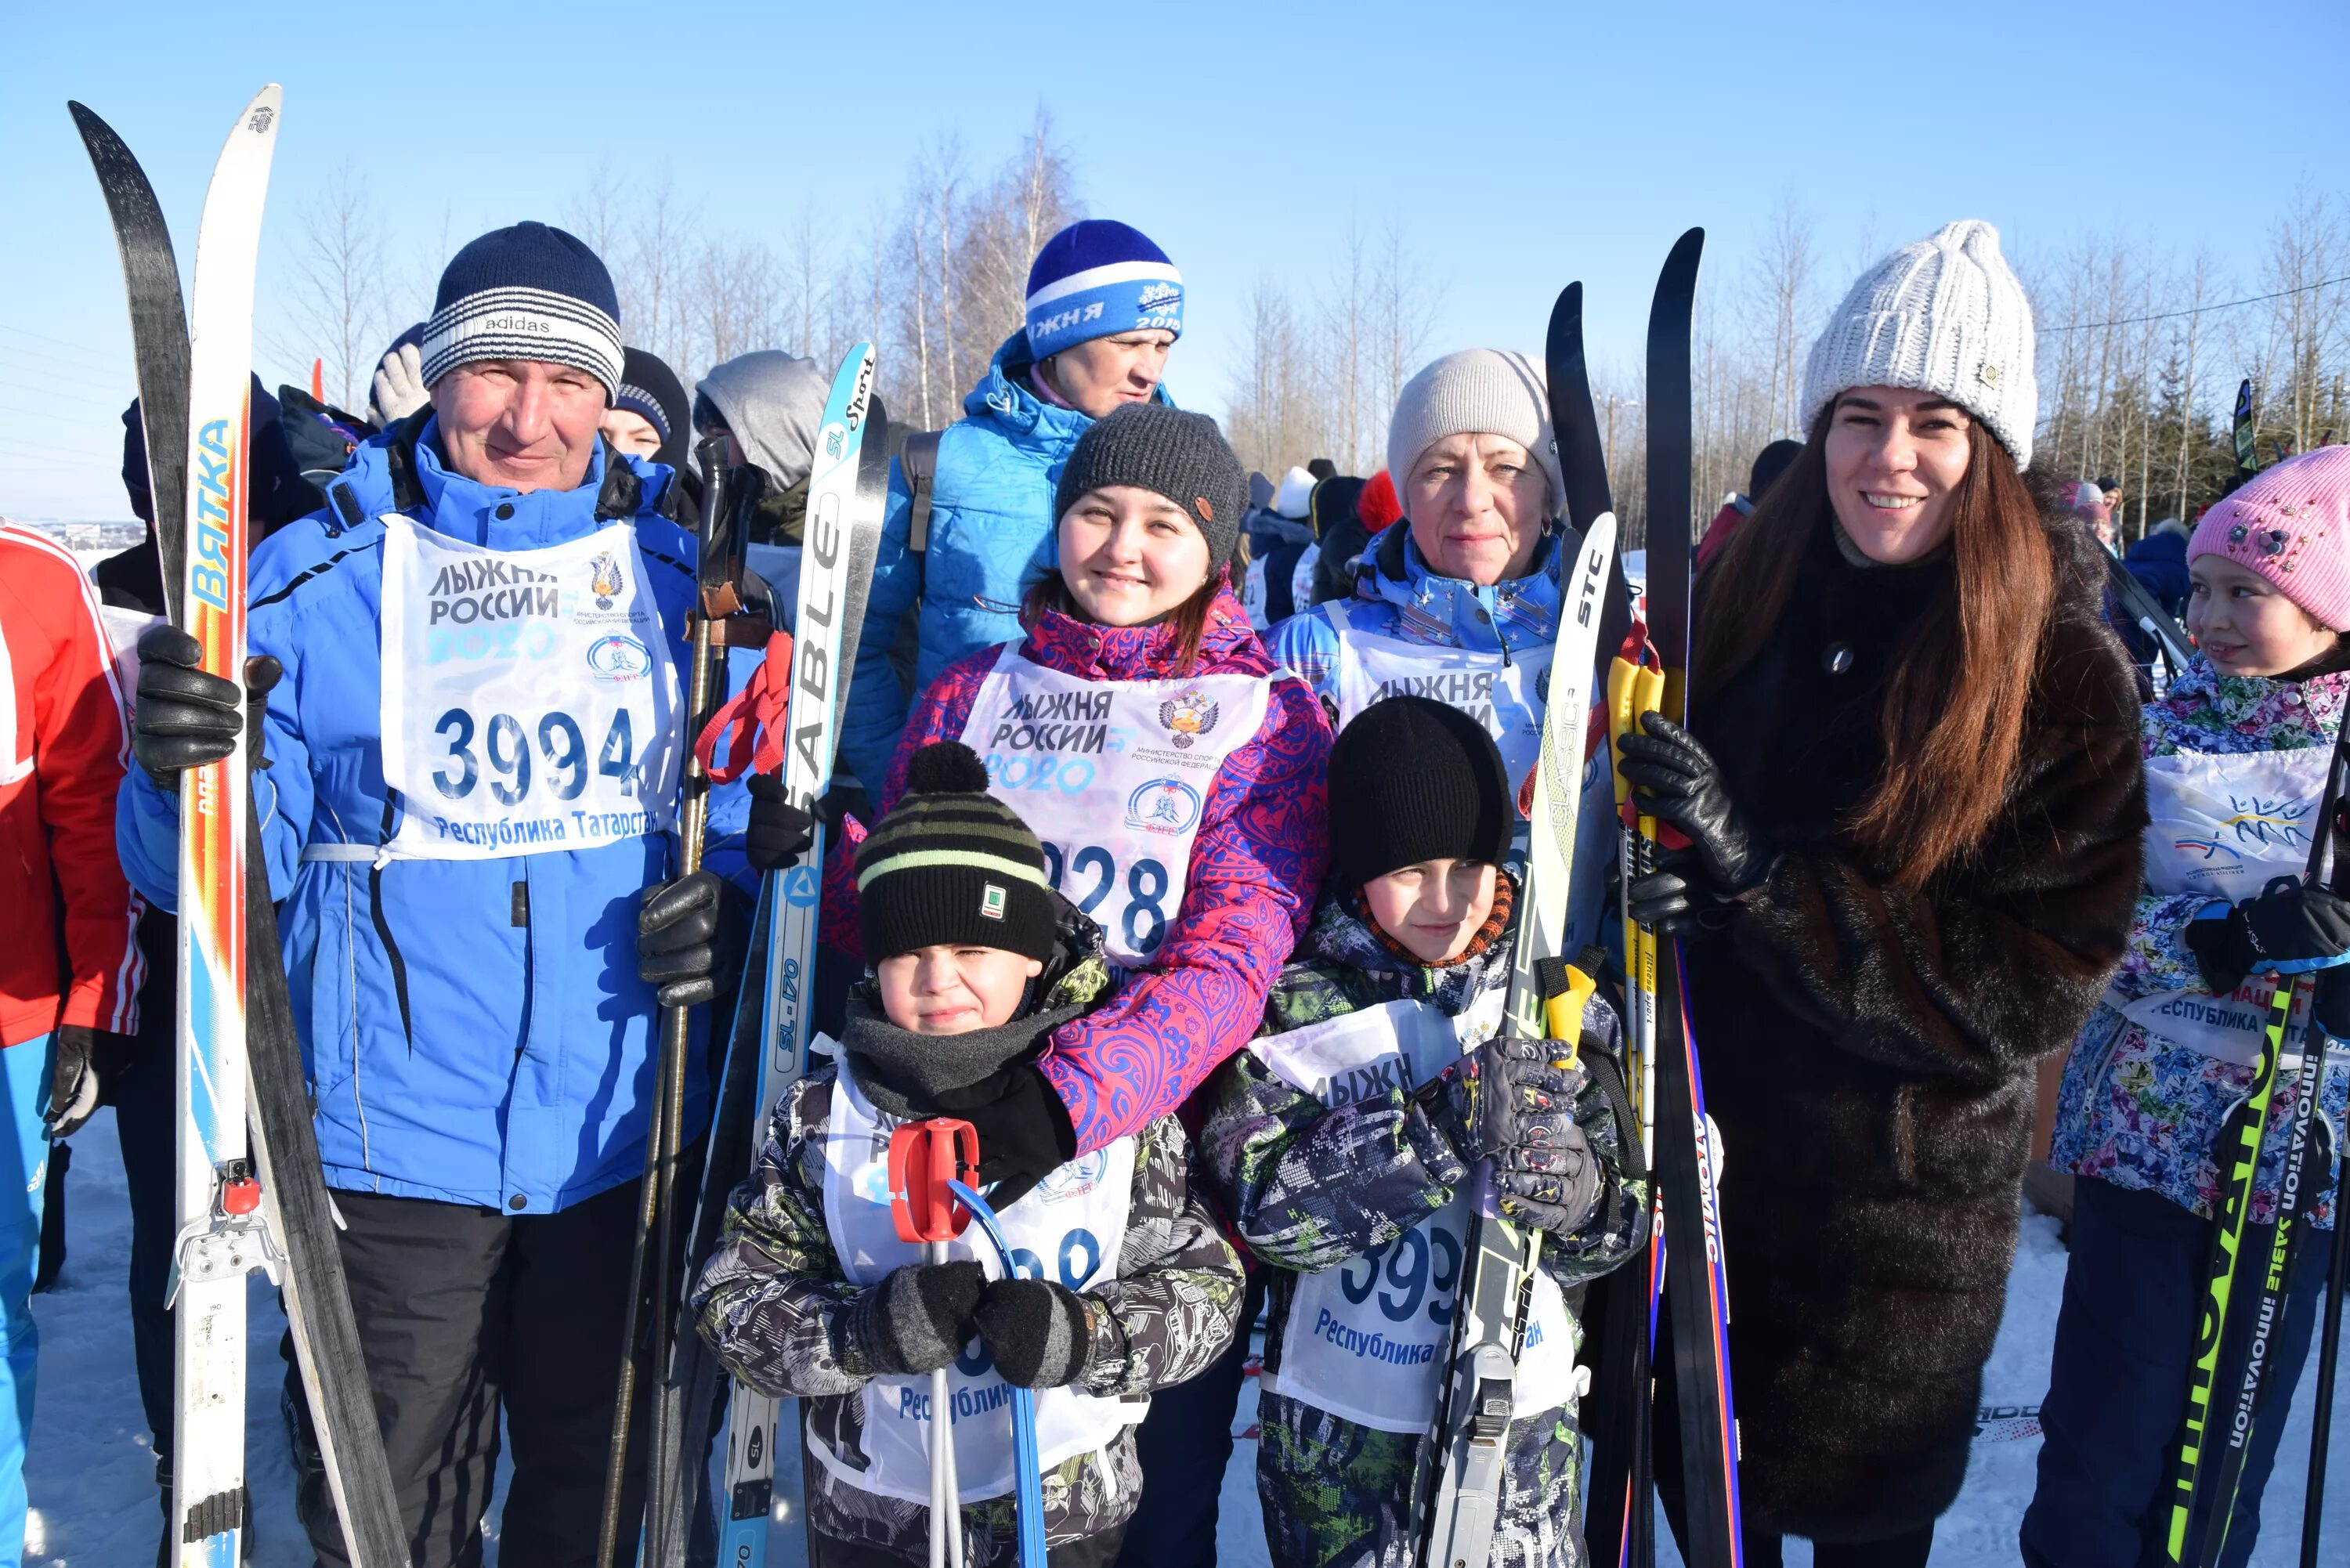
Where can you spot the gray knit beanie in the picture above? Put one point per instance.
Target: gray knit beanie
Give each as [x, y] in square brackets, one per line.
[1487, 392]
[1946, 315]
[1182, 456]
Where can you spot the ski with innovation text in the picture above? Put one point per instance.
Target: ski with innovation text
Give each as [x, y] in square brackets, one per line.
[848, 491]
[1696, 1283]
[2251, 1264]
[250, 1192]
[1460, 1484]
[1618, 1521]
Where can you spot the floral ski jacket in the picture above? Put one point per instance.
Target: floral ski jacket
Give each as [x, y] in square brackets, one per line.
[1255, 867]
[2139, 1110]
[1308, 1189]
[774, 1303]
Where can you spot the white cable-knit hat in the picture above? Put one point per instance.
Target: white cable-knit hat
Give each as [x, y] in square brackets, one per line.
[1946, 315]
[1488, 391]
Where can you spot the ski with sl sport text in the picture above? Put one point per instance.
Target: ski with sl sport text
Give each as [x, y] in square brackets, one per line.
[2252, 1264]
[1459, 1479]
[1696, 1281]
[848, 491]
[240, 1204]
[1619, 1520]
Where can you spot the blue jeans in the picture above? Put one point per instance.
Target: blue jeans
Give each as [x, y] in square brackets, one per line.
[2117, 1385]
[23, 1176]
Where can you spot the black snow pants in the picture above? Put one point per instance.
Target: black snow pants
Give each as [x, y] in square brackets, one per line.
[466, 1313]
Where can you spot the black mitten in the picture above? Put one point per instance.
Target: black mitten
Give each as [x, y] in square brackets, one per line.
[919, 1318]
[1034, 1332]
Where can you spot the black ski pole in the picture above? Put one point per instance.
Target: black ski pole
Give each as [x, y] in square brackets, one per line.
[649, 1294]
[2329, 1351]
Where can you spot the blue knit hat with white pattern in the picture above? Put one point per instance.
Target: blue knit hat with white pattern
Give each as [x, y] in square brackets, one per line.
[1095, 278]
[529, 291]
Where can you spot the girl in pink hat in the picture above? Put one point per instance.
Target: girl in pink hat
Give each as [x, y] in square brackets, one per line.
[2236, 756]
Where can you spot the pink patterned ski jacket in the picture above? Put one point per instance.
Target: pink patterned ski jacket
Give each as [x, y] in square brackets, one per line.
[1256, 865]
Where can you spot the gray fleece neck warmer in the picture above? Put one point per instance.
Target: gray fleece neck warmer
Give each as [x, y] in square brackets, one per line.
[774, 403]
[904, 1073]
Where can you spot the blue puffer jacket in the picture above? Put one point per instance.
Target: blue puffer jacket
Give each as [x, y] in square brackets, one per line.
[474, 1030]
[991, 536]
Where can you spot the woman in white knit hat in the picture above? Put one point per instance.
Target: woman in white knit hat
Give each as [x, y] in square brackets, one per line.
[1460, 601]
[1914, 802]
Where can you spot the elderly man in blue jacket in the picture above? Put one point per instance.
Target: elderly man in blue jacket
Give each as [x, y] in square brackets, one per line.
[474, 659]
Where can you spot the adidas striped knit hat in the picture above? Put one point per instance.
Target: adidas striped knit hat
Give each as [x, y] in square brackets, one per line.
[951, 866]
[529, 291]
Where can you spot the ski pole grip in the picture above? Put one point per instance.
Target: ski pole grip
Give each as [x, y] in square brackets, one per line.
[926, 1159]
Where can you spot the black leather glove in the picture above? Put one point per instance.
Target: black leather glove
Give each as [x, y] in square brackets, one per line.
[1034, 1331]
[1512, 1105]
[918, 1319]
[1025, 1133]
[2286, 929]
[86, 1065]
[689, 939]
[185, 718]
[1675, 780]
[1670, 900]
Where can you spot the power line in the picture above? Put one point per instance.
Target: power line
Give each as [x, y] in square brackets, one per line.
[2175, 314]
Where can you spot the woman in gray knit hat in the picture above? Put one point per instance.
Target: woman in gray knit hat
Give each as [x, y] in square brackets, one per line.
[1912, 790]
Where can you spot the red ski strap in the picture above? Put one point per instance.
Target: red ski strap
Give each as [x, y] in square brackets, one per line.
[923, 1157]
[751, 726]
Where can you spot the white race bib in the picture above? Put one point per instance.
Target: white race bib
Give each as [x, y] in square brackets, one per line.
[1366, 1341]
[1114, 777]
[2225, 825]
[529, 703]
[1069, 1229]
[1505, 696]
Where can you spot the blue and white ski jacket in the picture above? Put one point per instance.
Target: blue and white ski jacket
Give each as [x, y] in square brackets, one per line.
[991, 536]
[474, 1030]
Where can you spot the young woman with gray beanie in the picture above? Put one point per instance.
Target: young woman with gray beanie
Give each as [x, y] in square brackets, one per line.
[1460, 601]
[1913, 794]
[1175, 776]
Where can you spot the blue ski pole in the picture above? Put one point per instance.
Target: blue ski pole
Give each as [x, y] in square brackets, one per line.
[1031, 1477]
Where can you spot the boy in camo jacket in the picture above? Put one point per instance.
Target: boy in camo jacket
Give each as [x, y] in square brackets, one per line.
[1342, 1142]
[811, 1294]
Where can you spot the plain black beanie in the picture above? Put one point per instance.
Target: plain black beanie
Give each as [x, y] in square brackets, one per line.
[1414, 780]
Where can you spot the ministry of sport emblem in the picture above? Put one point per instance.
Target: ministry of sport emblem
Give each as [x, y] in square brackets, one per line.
[607, 580]
[1163, 806]
[1188, 715]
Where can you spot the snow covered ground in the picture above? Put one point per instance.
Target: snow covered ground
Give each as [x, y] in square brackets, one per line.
[91, 1472]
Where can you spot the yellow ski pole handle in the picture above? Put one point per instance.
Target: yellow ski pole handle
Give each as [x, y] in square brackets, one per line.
[1562, 1016]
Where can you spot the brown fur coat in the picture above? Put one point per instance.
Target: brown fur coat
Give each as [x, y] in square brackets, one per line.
[1869, 1053]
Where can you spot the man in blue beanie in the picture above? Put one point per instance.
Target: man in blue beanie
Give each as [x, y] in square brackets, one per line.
[467, 670]
[970, 519]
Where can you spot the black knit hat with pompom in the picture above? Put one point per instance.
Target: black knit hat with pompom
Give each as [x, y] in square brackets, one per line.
[950, 865]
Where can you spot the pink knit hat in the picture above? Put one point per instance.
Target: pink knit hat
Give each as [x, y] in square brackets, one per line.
[2291, 524]
[2087, 502]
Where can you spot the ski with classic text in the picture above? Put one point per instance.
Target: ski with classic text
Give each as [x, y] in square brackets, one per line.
[847, 490]
[241, 1204]
[2250, 1264]
[1618, 1522]
[1696, 1283]
[1460, 1483]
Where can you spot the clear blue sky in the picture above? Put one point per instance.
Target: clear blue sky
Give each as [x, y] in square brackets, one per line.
[1516, 146]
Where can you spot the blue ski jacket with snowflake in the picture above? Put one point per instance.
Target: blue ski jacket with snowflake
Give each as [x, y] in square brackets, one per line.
[475, 1031]
[990, 534]
[2143, 1111]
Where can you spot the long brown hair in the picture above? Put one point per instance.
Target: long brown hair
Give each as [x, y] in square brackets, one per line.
[1952, 721]
[1189, 618]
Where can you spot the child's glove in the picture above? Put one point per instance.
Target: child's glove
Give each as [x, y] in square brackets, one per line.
[917, 1320]
[1034, 1332]
[1509, 1104]
[2287, 930]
